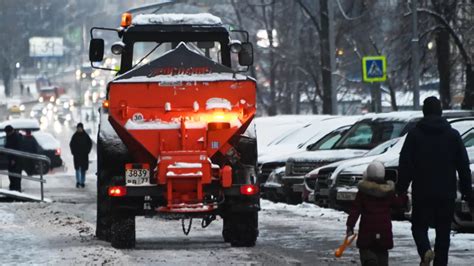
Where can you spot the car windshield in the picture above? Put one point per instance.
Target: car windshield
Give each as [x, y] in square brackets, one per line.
[144, 52]
[468, 138]
[382, 148]
[462, 126]
[328, 142]
[368, 134]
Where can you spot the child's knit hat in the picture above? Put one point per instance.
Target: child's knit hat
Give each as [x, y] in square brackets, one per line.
[375, 172]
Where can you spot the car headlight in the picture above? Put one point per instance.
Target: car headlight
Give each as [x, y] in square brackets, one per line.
[41, 99]
[22, 107]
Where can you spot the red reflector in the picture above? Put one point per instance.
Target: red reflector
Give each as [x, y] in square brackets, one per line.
[248, 189]
[117, 191]
[58, 152]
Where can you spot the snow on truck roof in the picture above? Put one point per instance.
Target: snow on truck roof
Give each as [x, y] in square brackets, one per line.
[176, 19]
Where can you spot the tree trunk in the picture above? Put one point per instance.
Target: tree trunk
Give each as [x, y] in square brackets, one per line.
[444, 69]
[6, 76]
[393, 97]
[325, 57]
[314, 107]
[468, 102]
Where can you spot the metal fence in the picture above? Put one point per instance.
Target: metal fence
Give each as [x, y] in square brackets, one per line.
[32, 156]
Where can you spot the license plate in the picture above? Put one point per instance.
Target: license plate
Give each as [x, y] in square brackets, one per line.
[465, 207]
[324, 192]
[345, 196]
[135, 177]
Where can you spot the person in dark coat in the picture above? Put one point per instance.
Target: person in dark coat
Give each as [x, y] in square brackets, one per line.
[432, 154]
[13, 141]
[29, 144]
[81, 145]
[374, 201]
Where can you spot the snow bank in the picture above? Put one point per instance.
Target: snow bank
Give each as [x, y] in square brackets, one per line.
[305, 209]
[173, 19]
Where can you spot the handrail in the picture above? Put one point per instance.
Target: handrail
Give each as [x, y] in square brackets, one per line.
[28, 155]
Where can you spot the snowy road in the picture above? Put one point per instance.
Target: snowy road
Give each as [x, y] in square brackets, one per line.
[62, 232]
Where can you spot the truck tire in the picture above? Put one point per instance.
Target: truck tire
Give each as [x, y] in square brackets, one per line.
[107, 161]
[104, 206]
[226, 231]
[243, 229]
[122, 231]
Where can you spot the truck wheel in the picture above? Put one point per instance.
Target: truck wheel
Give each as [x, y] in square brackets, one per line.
[243, 229]
[122, 231]
[104, 207]
[226, 233]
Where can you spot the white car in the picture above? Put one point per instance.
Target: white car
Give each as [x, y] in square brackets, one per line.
[302, 140]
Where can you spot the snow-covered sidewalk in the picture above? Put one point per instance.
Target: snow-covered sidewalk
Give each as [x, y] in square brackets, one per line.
[62, 233]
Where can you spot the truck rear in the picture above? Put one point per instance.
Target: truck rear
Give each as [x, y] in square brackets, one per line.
[174, 129]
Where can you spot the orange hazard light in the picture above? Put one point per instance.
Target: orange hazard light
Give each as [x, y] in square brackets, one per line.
[126, 20]
[117, 191]
[249, 190]
[105, 104]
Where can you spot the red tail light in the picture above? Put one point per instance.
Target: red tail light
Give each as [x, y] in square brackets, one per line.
[58, 152]
[249, 190]
[117, 191]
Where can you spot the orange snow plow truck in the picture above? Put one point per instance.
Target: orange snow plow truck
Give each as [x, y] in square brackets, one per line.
[175, 137]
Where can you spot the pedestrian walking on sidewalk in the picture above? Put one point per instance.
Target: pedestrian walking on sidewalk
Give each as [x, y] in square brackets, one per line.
[81, 145]
[13, 141]
[373, 203]
[29, 144]
[432, 154]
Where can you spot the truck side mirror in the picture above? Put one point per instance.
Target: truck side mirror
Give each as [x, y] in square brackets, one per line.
[96, 50]
[246, 54]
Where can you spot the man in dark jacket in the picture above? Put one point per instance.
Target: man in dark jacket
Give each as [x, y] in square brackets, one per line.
[29, 144]
[13, 141]
[81, 146]
[430, 157]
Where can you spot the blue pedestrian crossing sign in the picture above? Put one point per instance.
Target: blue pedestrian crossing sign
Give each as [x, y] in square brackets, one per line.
[374, 68]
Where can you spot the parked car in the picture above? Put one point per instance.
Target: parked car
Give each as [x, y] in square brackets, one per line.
[342, 192]
[319, 182]
[47, 144]
[302, 139]
[282, 189]
[370, 131]
[271, 128]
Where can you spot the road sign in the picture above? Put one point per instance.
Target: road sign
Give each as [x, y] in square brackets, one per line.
[374, 68]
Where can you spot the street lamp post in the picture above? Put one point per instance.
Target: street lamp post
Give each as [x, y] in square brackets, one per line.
[415, 56]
